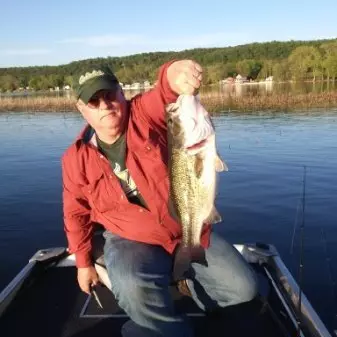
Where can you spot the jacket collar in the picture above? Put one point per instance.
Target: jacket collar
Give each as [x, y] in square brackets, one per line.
[87, 135]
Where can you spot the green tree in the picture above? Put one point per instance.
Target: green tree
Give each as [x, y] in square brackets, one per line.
[9, 83]
[266, 69]
[23, 82]
[243, 67]
[330, 60]
[255, 69]
[213, 74]
[316, 63]
[303, 60]
[39, 83]
[69, 80]
[249, 68]
[281, 71]
[55, 80]
[229, 69]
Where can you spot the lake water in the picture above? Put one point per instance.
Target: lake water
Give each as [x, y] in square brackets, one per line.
[258, 197]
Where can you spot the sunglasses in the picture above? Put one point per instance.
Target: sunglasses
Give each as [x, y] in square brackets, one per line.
[105, 95]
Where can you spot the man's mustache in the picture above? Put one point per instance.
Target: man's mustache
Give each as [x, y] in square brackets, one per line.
[107, 112]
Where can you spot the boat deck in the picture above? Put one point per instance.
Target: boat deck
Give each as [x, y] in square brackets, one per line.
[53, 306]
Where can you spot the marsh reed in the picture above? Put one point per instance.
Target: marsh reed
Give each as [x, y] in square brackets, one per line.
[216, 102]
[213, 101]
[37, 104]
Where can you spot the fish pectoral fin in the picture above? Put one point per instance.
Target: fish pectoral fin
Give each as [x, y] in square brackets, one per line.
[220, 164]
[214, 217]
[198, 165]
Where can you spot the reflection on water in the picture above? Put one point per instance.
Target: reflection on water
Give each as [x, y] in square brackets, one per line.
[257, 198]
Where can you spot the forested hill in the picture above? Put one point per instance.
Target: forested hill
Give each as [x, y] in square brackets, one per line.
[283, 60]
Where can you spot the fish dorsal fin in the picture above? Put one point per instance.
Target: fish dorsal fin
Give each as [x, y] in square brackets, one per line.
[220, 165]
[214, 217]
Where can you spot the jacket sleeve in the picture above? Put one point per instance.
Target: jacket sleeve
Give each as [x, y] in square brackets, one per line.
[150, 106]
[76, 213]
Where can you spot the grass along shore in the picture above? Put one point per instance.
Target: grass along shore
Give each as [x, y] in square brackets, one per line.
[213, 101]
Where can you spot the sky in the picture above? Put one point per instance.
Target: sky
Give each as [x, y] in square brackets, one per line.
[59, 32]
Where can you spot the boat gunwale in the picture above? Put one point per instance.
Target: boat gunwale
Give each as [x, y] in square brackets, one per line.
[8, 294]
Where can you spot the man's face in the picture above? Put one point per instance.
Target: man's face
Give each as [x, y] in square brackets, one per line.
[106, 112]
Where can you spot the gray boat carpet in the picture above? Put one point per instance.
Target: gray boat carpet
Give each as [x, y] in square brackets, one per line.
[53, 306]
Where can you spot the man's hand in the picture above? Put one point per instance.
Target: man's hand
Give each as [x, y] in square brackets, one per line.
[184, 77]
[86, 278]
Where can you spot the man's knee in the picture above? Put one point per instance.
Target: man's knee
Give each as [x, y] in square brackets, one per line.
[134, 290]
[129, 296]
[247, 288]
[139, 293]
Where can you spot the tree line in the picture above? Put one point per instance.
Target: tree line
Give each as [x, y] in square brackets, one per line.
[291, 60]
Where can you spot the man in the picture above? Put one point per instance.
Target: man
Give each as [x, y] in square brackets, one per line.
[116, 174]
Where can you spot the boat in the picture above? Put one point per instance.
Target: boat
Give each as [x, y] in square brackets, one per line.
[44, 300]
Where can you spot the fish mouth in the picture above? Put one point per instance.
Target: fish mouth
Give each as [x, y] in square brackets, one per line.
[195, 148]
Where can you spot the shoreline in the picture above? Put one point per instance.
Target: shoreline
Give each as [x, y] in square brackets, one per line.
[214, 102]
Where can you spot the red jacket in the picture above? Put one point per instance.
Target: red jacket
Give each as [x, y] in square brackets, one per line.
[92, 193]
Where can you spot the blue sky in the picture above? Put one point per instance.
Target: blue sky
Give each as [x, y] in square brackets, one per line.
[58, 32]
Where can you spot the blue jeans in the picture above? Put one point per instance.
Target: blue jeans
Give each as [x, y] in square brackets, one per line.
[141, 273]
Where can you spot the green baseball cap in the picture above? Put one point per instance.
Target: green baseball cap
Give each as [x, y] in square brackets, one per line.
[91, 82]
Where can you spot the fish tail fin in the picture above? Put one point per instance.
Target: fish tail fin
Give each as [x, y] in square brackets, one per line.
[198, 255]
[182, 262]
[183, 258]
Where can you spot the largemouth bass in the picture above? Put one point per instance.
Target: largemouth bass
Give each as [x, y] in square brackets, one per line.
[193, 166]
